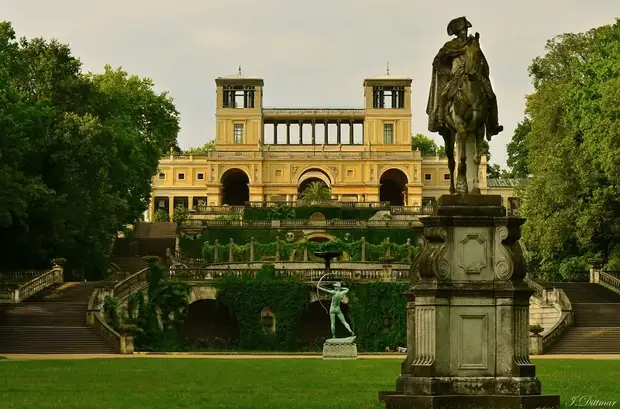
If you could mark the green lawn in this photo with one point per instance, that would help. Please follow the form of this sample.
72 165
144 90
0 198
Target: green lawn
252 383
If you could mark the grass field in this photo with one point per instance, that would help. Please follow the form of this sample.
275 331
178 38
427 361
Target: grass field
252 383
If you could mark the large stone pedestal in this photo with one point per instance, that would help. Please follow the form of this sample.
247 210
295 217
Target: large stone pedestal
340 348
468 314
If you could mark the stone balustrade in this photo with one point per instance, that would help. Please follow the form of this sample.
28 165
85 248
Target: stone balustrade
122 344
33 286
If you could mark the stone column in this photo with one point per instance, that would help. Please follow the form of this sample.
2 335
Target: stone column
313 132
470 335
216 251
338 133
190 202
363 257
275 133
409 251
351 133
288 133
170 207
251 249
326 133
230 250
305 254
388 248
301 132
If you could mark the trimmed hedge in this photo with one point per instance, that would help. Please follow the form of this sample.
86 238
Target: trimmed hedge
191 246
304 213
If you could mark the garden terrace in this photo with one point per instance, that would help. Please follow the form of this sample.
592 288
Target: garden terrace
263 224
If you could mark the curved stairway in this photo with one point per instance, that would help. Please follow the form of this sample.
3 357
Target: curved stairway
53 323
597 320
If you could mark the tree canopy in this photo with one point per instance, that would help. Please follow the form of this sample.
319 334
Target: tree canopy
77 153
201 150
426 145
572 203
316 190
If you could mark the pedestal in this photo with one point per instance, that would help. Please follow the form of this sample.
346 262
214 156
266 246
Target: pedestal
340 348
468 314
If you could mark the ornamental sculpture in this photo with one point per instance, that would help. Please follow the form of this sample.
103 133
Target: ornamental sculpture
462 106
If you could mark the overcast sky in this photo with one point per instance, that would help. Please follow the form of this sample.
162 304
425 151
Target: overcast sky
310 53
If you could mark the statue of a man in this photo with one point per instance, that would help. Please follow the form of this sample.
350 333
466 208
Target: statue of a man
445 81
337 294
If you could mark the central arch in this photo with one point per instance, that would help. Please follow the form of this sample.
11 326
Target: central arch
312 175
393 185
235 189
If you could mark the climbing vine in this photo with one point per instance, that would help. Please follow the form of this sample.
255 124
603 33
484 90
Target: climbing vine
286 297
296 250
168 301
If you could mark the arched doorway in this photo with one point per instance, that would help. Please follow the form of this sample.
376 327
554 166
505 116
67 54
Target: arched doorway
235 190
393 184
314 325
312 175
209 324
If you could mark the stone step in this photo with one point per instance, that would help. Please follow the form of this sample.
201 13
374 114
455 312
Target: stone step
597 315
588 293
51 340
43 314
584 340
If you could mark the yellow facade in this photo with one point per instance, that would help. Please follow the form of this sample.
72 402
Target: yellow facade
245 166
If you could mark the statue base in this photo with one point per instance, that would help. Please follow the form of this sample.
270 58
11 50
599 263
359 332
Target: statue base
340 348
393 400
468 314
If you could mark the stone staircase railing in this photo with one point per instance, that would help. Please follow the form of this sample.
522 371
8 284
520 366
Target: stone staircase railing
122 344
278 224
556 297
36 284
307 271
131 285
609 281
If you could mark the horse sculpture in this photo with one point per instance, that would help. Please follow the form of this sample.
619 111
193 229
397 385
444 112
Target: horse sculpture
466 117
462 106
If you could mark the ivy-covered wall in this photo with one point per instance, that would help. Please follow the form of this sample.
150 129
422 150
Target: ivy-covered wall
286 212
376 313
192 246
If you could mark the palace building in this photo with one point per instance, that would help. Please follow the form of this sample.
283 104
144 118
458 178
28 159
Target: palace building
271 154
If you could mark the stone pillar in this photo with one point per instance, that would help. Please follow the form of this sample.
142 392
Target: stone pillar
470 341
536 345
326 133
251 249
409 251
177 244
170 207
275 133
288 198
190 202
216 251
388 248
363 257
230 250
301 132
351 133
305 254
277 248
313 132
338 133
288 133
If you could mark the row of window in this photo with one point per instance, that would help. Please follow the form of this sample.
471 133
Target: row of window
180 176
388 134
201 176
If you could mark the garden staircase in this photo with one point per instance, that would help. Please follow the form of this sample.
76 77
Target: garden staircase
51 323
597 320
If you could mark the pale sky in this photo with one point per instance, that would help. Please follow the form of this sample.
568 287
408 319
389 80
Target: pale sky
310 53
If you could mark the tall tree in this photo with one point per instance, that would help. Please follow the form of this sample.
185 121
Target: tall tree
201 150
78 153
572 203
426 145
517 150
